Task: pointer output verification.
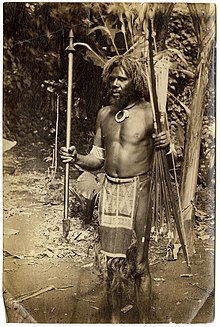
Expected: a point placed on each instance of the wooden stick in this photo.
(70, 49)
(85, 300)
(36, 293)
(19, 310)
(56, 135)
(31, 294)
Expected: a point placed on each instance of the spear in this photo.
(69, 49)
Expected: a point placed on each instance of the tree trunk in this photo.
(191, 157)
(193, 133)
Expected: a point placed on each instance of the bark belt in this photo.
(119, 180)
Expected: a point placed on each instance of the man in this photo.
(124, 143)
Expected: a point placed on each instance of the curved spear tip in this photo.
(71, 33)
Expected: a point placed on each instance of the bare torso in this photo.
(128, 144)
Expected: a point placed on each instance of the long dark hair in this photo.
(133, 69)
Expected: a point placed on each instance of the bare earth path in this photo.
(36, 259)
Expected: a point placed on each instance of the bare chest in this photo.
(133, 130)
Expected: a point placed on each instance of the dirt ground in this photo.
(47, 280)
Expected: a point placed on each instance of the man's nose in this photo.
(115, 82)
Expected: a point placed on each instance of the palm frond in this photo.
(101, 62)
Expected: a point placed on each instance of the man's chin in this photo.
(115, 101)
(119, 102)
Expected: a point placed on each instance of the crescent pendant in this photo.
(121, 115)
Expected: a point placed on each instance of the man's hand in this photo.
(68, 155)
(161, 140)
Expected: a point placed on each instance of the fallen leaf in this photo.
(127, 308)
(87, 265)
(10, 231)
(209, 249)
(96, 308)
(186, 275)
(204, 237)
(159, 279)
(8, 254)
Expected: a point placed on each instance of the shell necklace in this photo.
(121, 115)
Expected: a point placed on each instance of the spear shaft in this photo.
(69, 49)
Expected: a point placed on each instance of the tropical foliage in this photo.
(35, 61)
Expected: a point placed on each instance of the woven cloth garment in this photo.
(117, 209)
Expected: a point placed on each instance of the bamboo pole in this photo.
(69, 49)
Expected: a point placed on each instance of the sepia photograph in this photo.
(109, 162)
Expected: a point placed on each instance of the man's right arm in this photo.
(93, 160)
(89, 161)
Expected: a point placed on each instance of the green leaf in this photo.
(87, 185)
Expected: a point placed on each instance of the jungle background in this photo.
(55, 281)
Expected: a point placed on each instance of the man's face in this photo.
(121, 88)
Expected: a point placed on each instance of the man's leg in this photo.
(143, 293)
(114, 299)
(114, 295)
(142, 277)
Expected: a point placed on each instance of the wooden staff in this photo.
(69, 49)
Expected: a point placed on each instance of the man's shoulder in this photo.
(105, 108)
(145, 110)
(104, 111)
(145, 104)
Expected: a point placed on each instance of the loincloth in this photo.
(119, 200)
(117, 207)
(122, 205)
